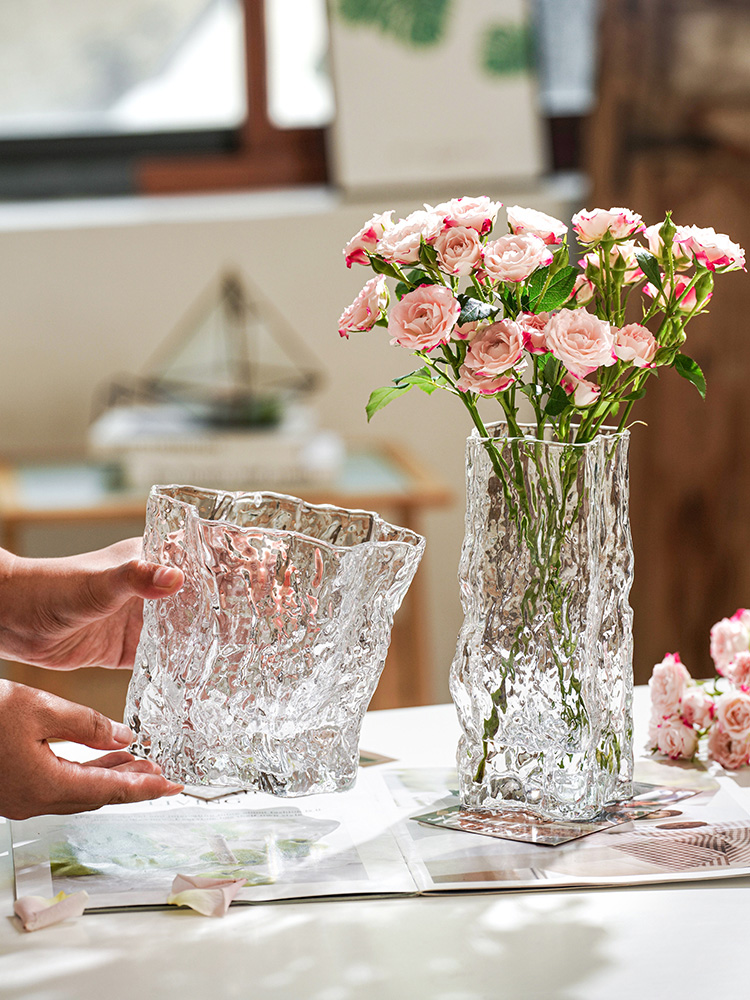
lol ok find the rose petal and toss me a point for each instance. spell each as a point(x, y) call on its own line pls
point(36, 912)
point(209, 896)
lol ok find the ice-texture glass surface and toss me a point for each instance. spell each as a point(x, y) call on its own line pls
point(259, 671)
point(542, 677)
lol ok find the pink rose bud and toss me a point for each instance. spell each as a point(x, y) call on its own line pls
point(681, 255)
point(527, 221)
point(459, 250)
point(728, 637)
point(366, 309)
point(533, 326)
point(424, 318)
point(355, 251)
point(401, 243)
point(495, 349)
point(621, 256)
point(669, 681)
point(473, 213)
point(583, 291)
point(676, 739)
point(617, 223)
point(635, 344)
point(584, 393)
point(733, 714)
point(697, 707)
point(712, 250)
point(686, 300)
point(486, 385)
point(725, 750)
point(580, 340)
point(515, 258)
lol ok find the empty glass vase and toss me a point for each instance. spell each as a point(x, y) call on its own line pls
point(257, 674)
point(542, 676)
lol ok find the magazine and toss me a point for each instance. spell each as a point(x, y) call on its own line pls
point(394, 833)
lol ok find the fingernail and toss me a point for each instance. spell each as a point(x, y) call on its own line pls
point(166, 576)
point(121, 733)
point(174, 789)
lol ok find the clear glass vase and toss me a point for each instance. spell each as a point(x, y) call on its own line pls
point(542, 677)
point(257, 674)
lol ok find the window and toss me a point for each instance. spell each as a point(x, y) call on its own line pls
point(161, 95)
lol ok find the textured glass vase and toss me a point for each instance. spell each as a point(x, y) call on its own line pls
point(257, 674)
point(542, 676)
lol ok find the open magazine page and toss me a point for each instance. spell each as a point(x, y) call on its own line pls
point(701, 836)
point(322, 845)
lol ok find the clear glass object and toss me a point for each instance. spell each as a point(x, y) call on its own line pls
point(257, 674)
point(542, 677)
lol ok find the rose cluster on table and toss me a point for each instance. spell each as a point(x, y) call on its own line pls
point(686, 712)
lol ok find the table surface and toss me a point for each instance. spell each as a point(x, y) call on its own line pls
point(664, 941)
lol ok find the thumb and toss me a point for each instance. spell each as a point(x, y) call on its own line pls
point(111, 588)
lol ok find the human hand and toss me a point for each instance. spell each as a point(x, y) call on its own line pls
point(79, 611)
point(35, 781)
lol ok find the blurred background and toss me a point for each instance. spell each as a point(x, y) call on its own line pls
point(177, 181)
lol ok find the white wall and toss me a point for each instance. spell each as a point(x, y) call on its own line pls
point(88, 290)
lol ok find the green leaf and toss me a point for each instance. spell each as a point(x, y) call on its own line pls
point(401, 289)
point(420, 277)
point(424, 379)
point(635, 394)
point(557, 402)
point(381, 266)
point(550, 370)
point(382, 397)
point(650, 267)
point(473, 310)
point(559, 290)
point(535, 284)
point(691, 370)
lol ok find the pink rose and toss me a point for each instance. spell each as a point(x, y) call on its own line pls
point(584, 393)
point(738, 671)
point(697, 707)
point(366, 239)
point(495, 348)
point(581, 341)
point(636, 344)
point(668, 683)
point(486, 385)
point(459, 250)
point(424, 318)
point(474, 213)
point(725, 750)
point(622, 256)
point(528, 221)
point(466, 331)
point(618, 223)
point(728, 637)
point(686, 300)
point(366, 309)
point(514, 258)
point(681, 255)
point(733, 714)
point(583, 291)
point(532, 326)
point(400, 244)
point(713, 250)
point(676, 739)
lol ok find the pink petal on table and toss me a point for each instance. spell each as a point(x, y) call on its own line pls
point(209, 896)
point(36, 912)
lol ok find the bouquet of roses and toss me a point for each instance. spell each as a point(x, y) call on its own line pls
point(511, 317)
point(684, 711)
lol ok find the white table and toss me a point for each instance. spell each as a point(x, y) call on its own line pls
point(661, 941)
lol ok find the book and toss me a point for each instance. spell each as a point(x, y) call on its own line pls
point(377, 839)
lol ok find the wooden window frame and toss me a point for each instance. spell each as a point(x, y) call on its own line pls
point(266, 156)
